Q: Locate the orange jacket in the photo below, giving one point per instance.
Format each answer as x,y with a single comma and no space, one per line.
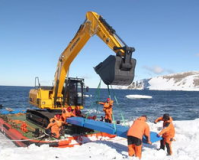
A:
66,114
55,126
107,110
139,128
107,106
111,102
168,128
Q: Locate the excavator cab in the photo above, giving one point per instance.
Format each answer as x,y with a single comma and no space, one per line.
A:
73,92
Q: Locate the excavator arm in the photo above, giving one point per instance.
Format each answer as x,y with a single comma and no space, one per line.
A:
96,25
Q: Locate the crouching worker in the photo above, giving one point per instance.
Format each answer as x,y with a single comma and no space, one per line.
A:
54,127
67,113
135,134
167,133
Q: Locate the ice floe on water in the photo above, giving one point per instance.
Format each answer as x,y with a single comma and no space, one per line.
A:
137,96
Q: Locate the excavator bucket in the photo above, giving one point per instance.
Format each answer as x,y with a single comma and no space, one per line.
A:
113,72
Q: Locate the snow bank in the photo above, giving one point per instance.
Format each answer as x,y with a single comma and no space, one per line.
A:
185,147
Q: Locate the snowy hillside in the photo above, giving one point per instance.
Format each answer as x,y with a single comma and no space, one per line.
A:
187,81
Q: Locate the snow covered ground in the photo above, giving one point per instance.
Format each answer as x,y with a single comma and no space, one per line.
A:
186,147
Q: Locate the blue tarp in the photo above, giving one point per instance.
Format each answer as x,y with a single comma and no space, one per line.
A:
110,128
14,111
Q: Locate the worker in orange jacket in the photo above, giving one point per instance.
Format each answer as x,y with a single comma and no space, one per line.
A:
78,112
66,113
55,126
167,133
108,110
135,134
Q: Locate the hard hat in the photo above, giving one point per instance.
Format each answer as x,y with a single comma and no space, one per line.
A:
69,109
57,116
144,116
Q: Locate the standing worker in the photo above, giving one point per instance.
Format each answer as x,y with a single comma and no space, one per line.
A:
167,133
108,110
135,134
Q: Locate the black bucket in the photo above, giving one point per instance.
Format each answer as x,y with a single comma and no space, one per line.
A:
113,72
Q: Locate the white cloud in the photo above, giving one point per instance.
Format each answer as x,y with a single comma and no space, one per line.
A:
197,55
158,69
154,69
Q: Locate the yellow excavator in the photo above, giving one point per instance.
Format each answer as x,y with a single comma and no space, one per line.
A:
117,69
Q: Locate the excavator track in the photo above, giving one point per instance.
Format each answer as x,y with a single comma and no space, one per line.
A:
40,117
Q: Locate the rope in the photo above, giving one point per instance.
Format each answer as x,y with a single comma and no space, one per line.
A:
121,113
117,104
114,122
98,95
97,92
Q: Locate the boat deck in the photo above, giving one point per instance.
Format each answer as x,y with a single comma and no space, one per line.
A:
16,121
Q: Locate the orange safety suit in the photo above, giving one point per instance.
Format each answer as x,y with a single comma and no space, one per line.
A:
108,110
77,111
135,134
167,133
66,114
24,127
55,126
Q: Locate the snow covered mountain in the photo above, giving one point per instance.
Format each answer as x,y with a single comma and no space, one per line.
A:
187,81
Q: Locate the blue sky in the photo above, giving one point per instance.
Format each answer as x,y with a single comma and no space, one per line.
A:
33,34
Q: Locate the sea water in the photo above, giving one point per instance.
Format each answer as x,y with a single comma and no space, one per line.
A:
181,105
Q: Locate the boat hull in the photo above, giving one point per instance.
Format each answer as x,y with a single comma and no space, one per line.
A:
20,140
